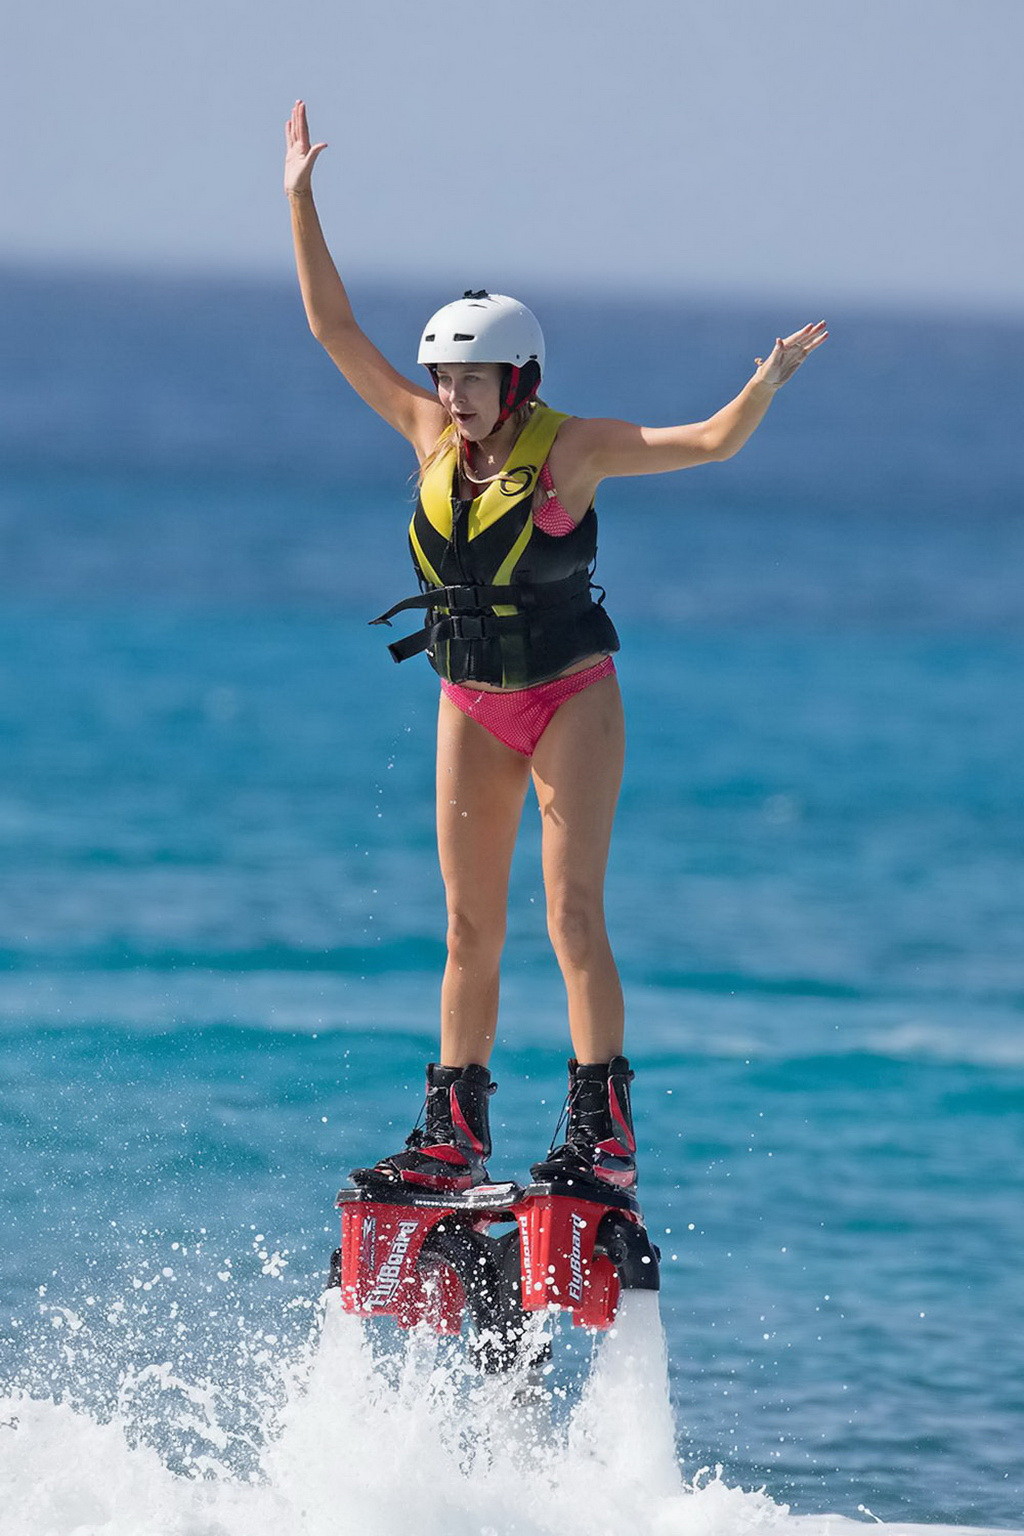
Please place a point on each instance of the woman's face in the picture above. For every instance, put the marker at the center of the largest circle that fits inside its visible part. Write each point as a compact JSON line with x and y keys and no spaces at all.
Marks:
{"x":471,"y":394}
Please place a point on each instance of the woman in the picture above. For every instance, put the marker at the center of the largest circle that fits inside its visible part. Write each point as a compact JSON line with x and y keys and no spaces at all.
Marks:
{"x":503,"y":539}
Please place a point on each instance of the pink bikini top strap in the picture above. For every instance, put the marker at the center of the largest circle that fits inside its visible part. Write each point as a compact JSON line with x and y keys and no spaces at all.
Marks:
{"x":551,"y":517}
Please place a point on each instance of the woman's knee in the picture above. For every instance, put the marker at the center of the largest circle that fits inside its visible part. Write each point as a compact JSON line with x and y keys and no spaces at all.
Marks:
{"x":475,"y":938}
{"x":576,"y":927}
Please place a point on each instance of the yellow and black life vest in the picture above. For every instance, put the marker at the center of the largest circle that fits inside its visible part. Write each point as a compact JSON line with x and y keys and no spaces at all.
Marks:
{"x":506,"y":603}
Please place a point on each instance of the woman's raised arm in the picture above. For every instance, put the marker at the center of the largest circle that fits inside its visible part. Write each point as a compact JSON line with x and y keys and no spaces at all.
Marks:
{"x":622,"y":448}
{"x":413,"y":411}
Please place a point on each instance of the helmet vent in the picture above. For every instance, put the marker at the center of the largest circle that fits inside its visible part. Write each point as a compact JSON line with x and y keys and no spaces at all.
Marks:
{"x":459,"y":336}
{"x":431,"y":337}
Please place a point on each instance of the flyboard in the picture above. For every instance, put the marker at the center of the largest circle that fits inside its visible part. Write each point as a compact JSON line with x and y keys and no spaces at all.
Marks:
{"x":493,"y":1258}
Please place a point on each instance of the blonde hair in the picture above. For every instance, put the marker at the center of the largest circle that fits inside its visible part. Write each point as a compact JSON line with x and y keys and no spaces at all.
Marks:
{"x":449,"y":434}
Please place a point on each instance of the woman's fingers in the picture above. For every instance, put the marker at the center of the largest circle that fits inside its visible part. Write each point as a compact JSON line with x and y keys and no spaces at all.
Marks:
{"x":296,"y":129}
{"x":808,"y":333}
{"x":790,"y":351}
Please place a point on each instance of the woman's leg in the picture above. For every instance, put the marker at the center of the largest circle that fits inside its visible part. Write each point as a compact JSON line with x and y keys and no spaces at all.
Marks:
{"x":481,"y":786}
{"x":577,"y":771}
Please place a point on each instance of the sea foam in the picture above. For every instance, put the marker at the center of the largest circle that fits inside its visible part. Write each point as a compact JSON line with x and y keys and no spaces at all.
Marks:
{"x":358,"y":1434}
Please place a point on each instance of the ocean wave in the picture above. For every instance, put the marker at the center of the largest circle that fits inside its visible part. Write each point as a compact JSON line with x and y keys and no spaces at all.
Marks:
{"x":751,"y":1025}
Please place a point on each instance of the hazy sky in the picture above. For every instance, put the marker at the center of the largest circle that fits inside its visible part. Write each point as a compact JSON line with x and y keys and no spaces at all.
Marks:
{"x":868,"y":149}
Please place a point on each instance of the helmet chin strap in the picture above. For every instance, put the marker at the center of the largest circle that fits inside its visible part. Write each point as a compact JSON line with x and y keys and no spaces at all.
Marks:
{"x":510,"y":402}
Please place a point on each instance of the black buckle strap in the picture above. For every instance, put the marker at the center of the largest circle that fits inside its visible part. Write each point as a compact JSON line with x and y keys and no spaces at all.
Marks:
{"x":458,"y":626}
{"x":468,"y":618}
{"x":458,"y":597}
{"x":411,"y":645}
{"x":462,"y":597}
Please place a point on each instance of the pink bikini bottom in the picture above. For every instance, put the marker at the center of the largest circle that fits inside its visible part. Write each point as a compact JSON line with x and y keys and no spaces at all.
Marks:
{"x":518,"y":717}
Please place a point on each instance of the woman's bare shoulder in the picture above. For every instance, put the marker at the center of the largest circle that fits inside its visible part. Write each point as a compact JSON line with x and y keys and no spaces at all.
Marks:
{"x":571,"y":462}
{"x":579,"y":446}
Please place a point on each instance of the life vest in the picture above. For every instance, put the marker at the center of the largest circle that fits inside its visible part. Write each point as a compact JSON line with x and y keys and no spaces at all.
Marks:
{"x":506,"y":603}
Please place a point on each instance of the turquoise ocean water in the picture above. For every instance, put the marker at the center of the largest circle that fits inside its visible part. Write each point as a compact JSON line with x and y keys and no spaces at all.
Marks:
{"x":220,"y":916}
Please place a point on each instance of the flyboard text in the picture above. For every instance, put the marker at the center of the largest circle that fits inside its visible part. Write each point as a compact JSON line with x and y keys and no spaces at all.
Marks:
{"x":579,"y":1226}
{"x":390,"y":1273}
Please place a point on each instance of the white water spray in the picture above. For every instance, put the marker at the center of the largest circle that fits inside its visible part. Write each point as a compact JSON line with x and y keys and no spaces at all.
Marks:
{"x":355,"y":1439}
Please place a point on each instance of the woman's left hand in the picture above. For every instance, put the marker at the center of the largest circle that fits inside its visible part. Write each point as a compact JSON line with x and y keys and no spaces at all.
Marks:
{"x":788,"y":354}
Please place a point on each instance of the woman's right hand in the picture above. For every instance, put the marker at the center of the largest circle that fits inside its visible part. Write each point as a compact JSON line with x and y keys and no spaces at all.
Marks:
{"x":300,"y":156}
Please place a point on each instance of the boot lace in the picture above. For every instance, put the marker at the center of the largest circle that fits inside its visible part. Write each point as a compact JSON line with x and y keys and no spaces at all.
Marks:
{"x":576,"y":1137}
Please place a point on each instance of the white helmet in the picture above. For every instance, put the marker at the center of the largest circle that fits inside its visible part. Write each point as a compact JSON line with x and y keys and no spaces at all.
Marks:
{"x":483,"y":328}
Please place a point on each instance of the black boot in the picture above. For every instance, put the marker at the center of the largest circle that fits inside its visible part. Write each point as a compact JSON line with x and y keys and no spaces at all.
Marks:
{"x":449,"y":1150}
{"x":599,"y":1147}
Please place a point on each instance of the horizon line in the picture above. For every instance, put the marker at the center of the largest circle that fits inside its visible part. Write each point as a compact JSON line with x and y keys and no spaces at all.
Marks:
{"x":591,"y":288}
